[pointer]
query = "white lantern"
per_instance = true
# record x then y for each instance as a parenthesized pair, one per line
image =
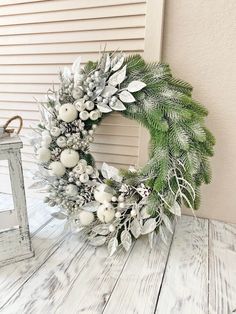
(44, 154)
(105, 214)
(69, 158)
(68, 113)
(101, 195)
(86, 218)
(57, 168)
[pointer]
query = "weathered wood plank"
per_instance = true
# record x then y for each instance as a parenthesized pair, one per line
(54, 279)
(13, 276)
(222, 261)
(138, 286)
(185, 285)
(94, 285)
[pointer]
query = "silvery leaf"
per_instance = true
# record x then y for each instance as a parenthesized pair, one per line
(167, 222)
(110, 172)
(175, 209)
(112, 246)
(101, 229)
(135, 86)
(98, 241)
(37, 185)
(118, 106)
(66, 74)
(150, 239)
(126, 97)
(76, 65)
(118, 62)
(108, 91)
(149, 226)
(144, 213)
(126, 239)
(91, 206)
(104, 108)
(118, 77)
(59, 215)
(105, 62)
(163, 234)
(135, 228)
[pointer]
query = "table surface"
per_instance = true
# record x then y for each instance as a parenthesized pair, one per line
(193, 273)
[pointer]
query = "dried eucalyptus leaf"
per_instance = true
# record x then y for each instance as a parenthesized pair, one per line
(126, 97)
(149, 226)
(37, 185)
(175, 209)
(118, 63)
(135, 86)
(167, 222)
(109, 91)
(135, 228)
(98, 241)
(91, 206)
(59, 215)
(101, 229)
(118, 77)
(118, 106)
(126, 239)
(112, 246)
(104, 108)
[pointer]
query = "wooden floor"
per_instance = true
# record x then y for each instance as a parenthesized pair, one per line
(195, 273)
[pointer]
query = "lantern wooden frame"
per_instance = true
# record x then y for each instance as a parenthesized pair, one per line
(15, 243)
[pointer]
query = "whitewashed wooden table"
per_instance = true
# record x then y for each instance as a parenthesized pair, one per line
(194, 274)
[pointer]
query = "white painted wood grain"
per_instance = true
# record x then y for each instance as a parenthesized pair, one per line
(45, 242)
(185, 286)
(94, 285)
(222, 275)
(137, 288)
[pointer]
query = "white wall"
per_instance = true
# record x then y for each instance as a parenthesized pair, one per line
(200, 44)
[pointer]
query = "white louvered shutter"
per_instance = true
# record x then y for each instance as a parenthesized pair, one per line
(38, 38)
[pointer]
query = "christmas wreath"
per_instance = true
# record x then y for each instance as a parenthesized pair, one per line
(112, 206)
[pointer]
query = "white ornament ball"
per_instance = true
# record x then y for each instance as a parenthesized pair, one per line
(77, 93)
(80, 168)
(89, 105)
(101, 195)
(133, 213)
(114, 199)
(84, 115)
(55, 131)
(121, 198)
(57, 168)
(68, 112)
(84, 178)
(89, 170)
(117, 214)
(86, 218)
(121, 205)
(105, 214)
(80, 105)
(44, 154)
(83, 162)
(94, 115)
(44, 144)
(112, 228)
(61, 141)
(71, 190)
(69, 158)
